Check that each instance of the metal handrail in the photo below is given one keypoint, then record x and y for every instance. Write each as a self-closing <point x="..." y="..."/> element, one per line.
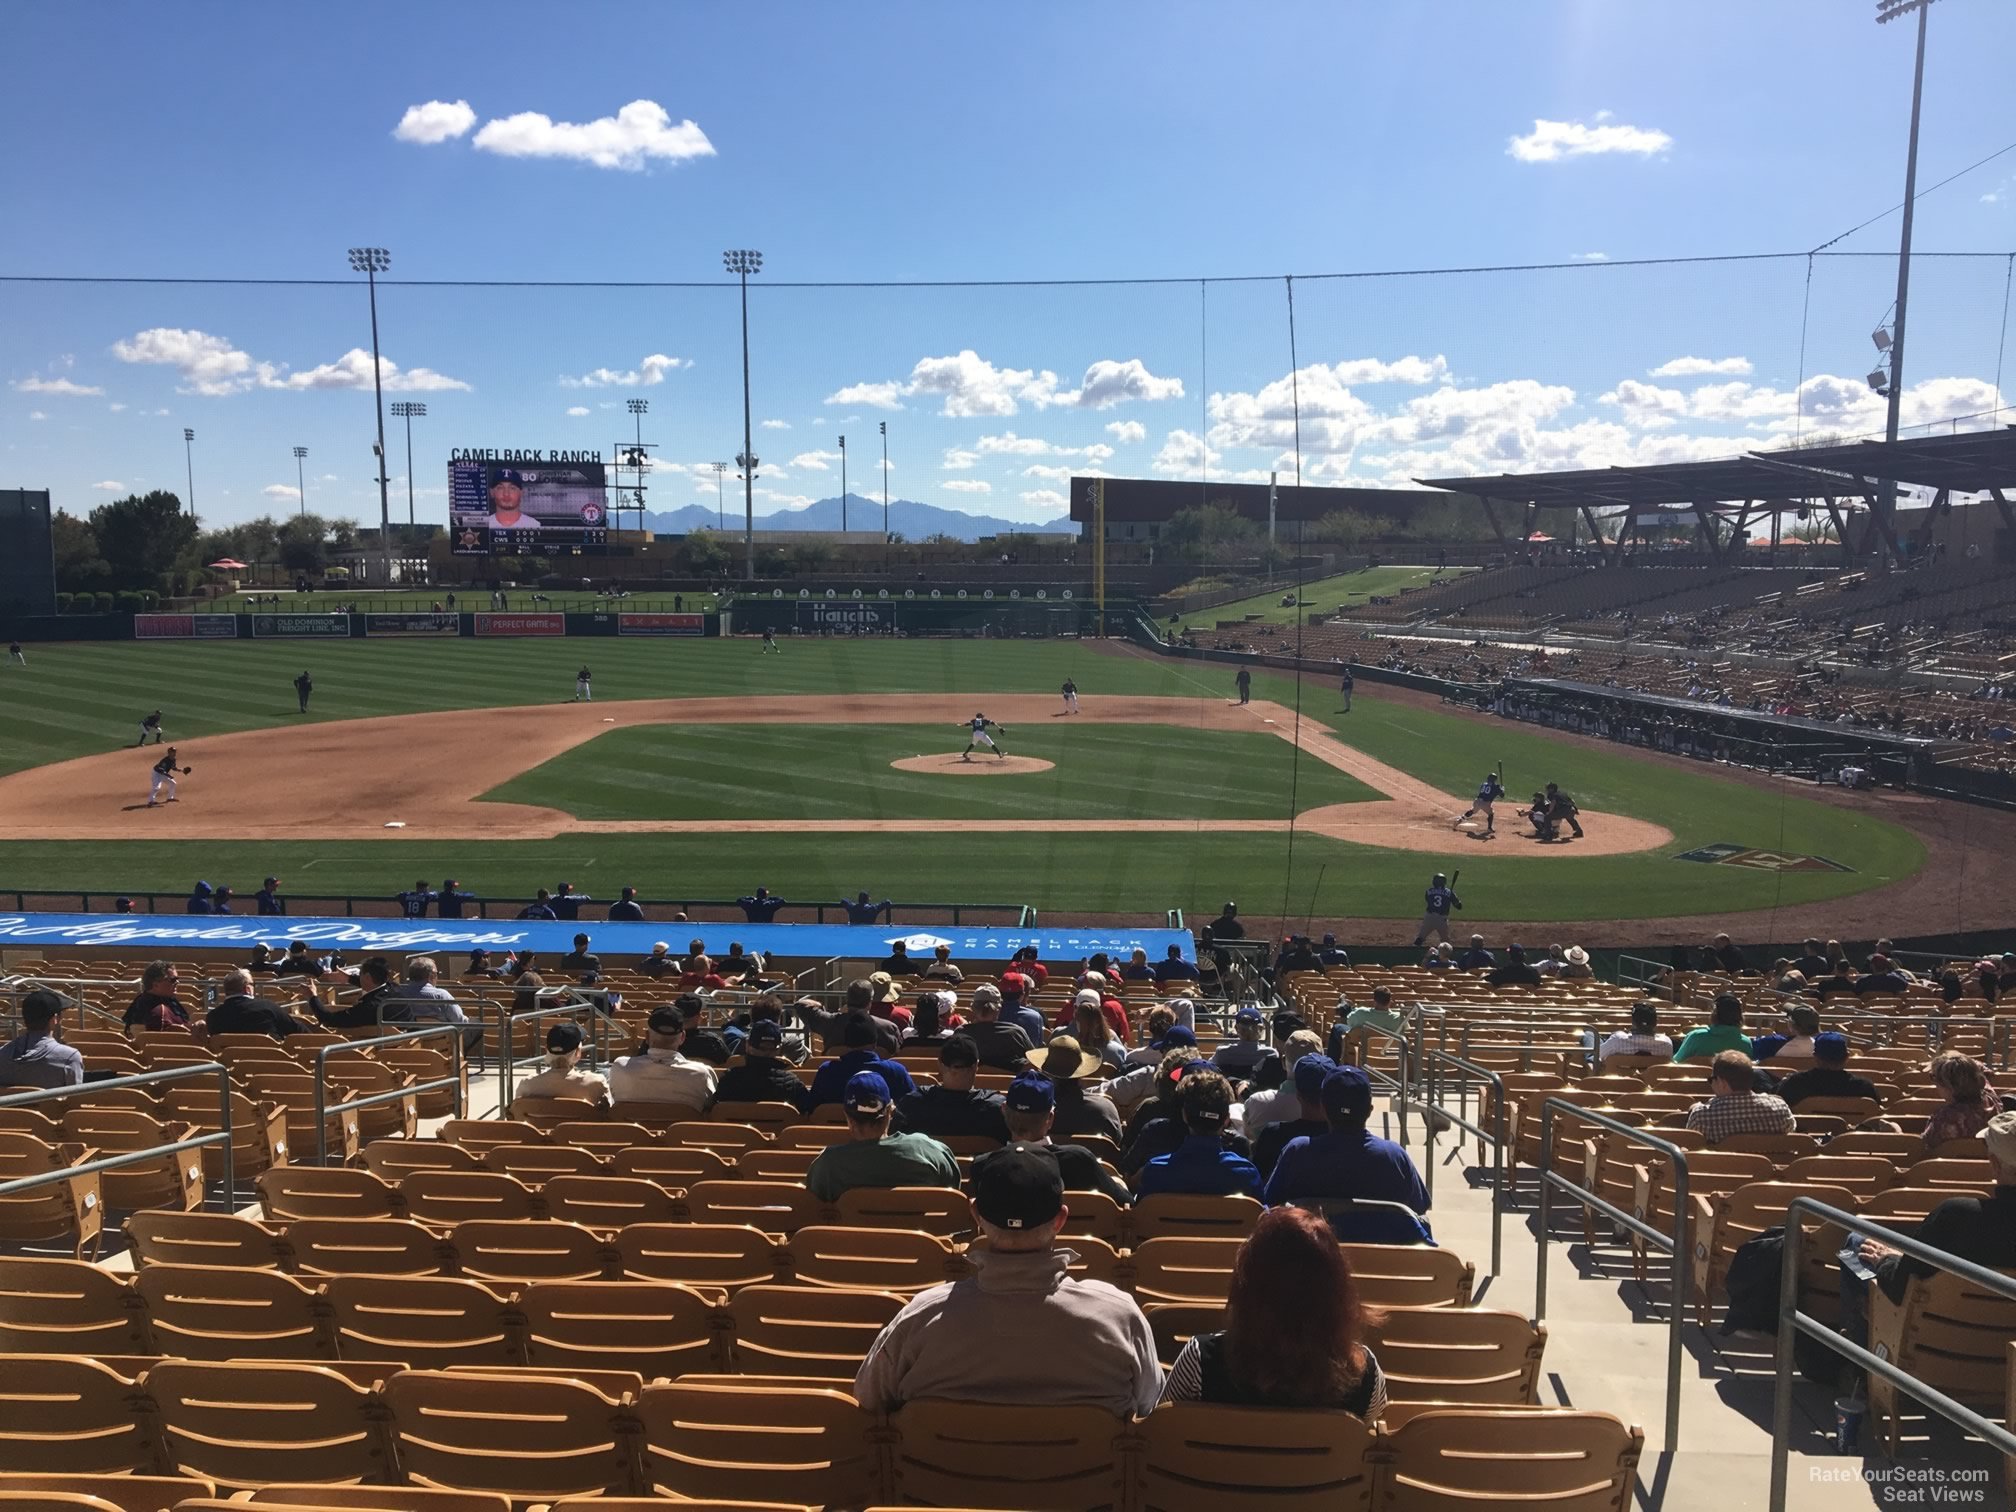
<point x="1999" y="1438"/>
<point x="453" y="1080"/>
<point x="1678" y="1245"/>
<point x="1434" y="1115"/>
<point x="507" y="1054"/>
<point x="222" y="1136"/>
<point x="1402" y="1084"/>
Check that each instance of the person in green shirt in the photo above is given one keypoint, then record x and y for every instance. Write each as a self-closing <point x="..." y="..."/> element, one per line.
<point x="873" y="1157"/>
<point x="1724" y="1031"/>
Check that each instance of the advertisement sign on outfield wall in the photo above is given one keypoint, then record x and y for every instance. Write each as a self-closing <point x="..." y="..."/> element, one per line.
<point x="412" y="624"/>
<point x="521" y="624"/>
<point x="661" y="624"/>
<point x="185" y="626"/>
<point x="330" y="626"/>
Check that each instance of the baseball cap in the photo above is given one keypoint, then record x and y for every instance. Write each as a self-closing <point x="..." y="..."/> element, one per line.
<point x="41" y="1006"/>
<point x="1830" y="1047"/>
<point x="1347" y="1090"/>
<point x="1249" y="1015"/>
<point x="2000" y="1137"/>
<point x="865" y="1093"/>
<point x="564" y="1038"/>
<point x="1088" y="997"/>
<point x="1644" y="1016"/>
<point x="270" y="881"/>
<point x="1030" y="1094"/>
<point x="1177" y="1038"/>
<point x="507" y="475"/>
<point x="1310" y="1073"/>
<point x="667" y="1021"/>
<point x="1019" y="1187"/>
<point x="766" y="1037"/>
<point x="1014" y="983"/>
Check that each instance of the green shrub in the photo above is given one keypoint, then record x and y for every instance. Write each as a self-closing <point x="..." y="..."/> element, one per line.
<point x="64" y="601"/>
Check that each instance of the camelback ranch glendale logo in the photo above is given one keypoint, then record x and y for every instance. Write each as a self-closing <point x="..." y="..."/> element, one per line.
<point x="1760" y="860"/>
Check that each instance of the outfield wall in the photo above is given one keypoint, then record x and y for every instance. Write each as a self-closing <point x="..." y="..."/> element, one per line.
<point x="367" y="625"/>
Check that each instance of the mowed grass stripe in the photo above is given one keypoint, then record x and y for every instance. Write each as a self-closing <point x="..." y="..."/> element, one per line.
<point x="1101" y="772"/>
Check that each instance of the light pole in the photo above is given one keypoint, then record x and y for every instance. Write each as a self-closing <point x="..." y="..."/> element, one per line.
<point x="371" y="261"/>
<point x="885" y="481"/>
<point x="301" y="476"/>
<point x="720" y="493"/>
<point x="406" y="409"/>
<point x="638" y="409"/>
<point x="1887" y="11"/>
<point x="742" y="262"/>
<point x="843" y="485"/>
<point x="189" y="460"/>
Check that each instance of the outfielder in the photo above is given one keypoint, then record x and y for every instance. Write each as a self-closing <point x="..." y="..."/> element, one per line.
<point x="1070" y="691"/>
<point x="151" y="725"/>
<point x="1488" y="793"/>
<point x="582" y="692"/>
<point x="770" y="643"/>
<point x="164" y="779"/>
<point x="1440" y="898"/>
<point x="14" y="651"/>
<point x="979" y="738"/>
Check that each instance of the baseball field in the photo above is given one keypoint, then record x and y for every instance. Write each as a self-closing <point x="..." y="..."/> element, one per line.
<point x="703" y="768"/>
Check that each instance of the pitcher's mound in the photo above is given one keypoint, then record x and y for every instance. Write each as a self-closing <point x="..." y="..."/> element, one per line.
<point x="980" y="766"/>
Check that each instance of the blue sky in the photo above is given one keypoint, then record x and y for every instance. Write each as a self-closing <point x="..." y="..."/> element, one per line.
<point x="893" y="142"/>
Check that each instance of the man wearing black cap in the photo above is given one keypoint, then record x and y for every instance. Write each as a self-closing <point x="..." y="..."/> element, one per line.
<point x="873" y="1157"/>
<point x="661" y="1074"/>
<point x="1515" y="972"/>
<point x="626" y="909"/>
<point x="1031" y="1108"/>
<point x="1305" y="1119"/>
<point x="1020" y="1331"/>
<point x="1244" y="1056"/>
<point x="268" y="898"/>
<point x="764" y="1075"/>
<point x="1201" y="1165"/>
<point x="1828" y="1076"/>
<point x="955" y="1106"/>
<point x="563" y="1076"/>
<point x="1348" y="1161"/>
<point x="38" y="1057"/>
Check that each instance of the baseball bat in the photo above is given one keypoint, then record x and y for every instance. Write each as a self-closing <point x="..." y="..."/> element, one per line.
<point x="1455" y="877"/>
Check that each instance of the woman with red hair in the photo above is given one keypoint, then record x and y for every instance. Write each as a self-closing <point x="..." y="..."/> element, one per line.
<point x="1294" y="1328"/>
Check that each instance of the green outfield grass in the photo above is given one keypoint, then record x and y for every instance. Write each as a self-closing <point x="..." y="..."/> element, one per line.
<point x="1323" y="593"/>
<point x="76" y="699"/>
<point x="843" y="772"/>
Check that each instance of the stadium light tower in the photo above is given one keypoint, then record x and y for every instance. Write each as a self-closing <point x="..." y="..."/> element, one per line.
<point x="638" y="409"/>
<point x="406" y="409"/>
<point x="843" y="485"/>
<point x="301" y="476"/>
<point x="742" y="262"/>
<point x="371" y="261"/>
<point x="720" y="493"/>
<point x="189" y="460"/>
<point x="885" y="481"/>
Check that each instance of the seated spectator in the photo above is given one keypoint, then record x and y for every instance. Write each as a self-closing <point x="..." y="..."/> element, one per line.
<point x="897" y="962"/>
<point x="1440" y="957"/>
<point x="1001" y="1047"/>
<point x="1971" y="1103"/>
<point x="1109" y="1008"/>
<point x="1882" y="979"/>
<point x="1277" y="1104"/>
<point x="1243" y="1057"/>
<point x="1736" y="1106"/>
<point x="1726" y="957"/>
<point x="1030" y="1106"/>
<point x="1294" y="1328"/>
<point x="871" y="1156"/>
<point x="479" y="967"/>
<point x="1079" y="1109"/>
<point x="1642" y="1038"/>
<point x="1159" y="1021"/>
<point x="526" y="983"/>
<point x="238" y="1012"/>
<point x="1173" y="968"/>
<point x="1297" y="954"/>
<point x="1332" y="954"/>
<point x="1575" y="965"/>
<point x="1201" y="1165"/>
<point x="1724" y="1031"/>
<point x="764" y="1075"/>
<point x="1012" y="995"/>
<point x="1794" y="1038"/>
<point x="262" y="961"/>
<point x="660" y="963"/>
<point x="580" y="961"/>
<point x="37" y="1057"/>
<point x="298" y="962"/>
<point x="1349" y="1161"/>
<point x="659" y="1073"/>
<point x="709" y="1047"/>
<point x="699" y="975"/>
<point x="626" y="909"/>
<point x="955" y="1105"/>
<point x="1515" y="972"/>
<point x="941" y="968"/>
<point x="1476" y="958"/>
<point x="1812" y="962"/>
<point x="1828" y="1076"/>
<point x="1022" y="1330"/>
<point x="202" y="900"/>
<point x="1349" y="1035"/>
<point x="1304" y="1118"/>
<point x="1090" y="1029"/>
<point x="1137" y="968"/>
<point x="1951" y="988"/>
<point x="423" y="1000"/>
<point x="156" y="1006"/>
<point x="1839" y="983"/>
<point x="563" y="1076"/>
<point x="932" y="1021"/>
<point x="860" y="1052"/>
<point x="372" y="1007"/>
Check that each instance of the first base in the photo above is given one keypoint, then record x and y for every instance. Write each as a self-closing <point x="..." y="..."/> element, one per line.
<point x="395" y="824"/>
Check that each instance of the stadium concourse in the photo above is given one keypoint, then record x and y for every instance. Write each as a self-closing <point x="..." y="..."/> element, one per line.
<point x="445" y="1284"/>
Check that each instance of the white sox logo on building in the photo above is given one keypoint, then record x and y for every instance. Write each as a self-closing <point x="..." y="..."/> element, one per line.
<point x="849" y="614"/>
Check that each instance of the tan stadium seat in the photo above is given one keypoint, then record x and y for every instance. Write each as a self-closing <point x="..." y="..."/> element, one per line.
<point x="670" y="1165"/>
<point x="654" y="1328"/>
<point x="807" y="1331"/>
<point x="425" y="1063"/>
<point x="1457" y="1461"/>
<point x="392" y="1159"/>
<point x="445" y="1198"/>
<point x="71" y="1415"/>
<point x="657" y="1116"/>
<point x="534" y="1165"/>
<point x="723" y="1255"/>
<point x="1901" y="1207"/>
<point x="1855" y="1109"/>
<point x="777" y="1207"/>
<point x="174" y="1181"/>
<point x="600" y="1135"/>
<point x="1184" y="1270"/>
<point x="1864" y="1175"/>
<point x="729" y="1140"/>
<point x="813" y="1136"/>
<point x="294" y="1090"/>
<point x="1959" y="1173"/>
<point x="128" y="1493"/>
<point x="366" y="1499"/>
<point x="770" y="1118"/>
<point x="214" y="1314"/>
<point x="242" y="1424"/>
<point x="1199" y="1457"/>
<point x="1710" y="1173"/>
<point x="258" y="1129"/>
<point x="165" y="1238"/>
<point x="479" y="1134"/>
<point x="293" y="1191"/>
<point x="712" y="1439"/>
<point x="777" y="1163"/>
<point x="658" y="1504"/>
<point x="1448" y="1354"/>
<point x="547" y="1112"/>
<point x="1781" y="1148"/>
<point x="1094" y="1215"/>
<point x="944" y="1211"/>
<point x="611" y="1202"/>
<point x="431" y="1322"/>
<point x="529" y="1437"/>
<point x="1947" y="1332"/>
<point x="897" y="1260"/>
<point x="1181" y="1215"/>
<point x="1410" y="1275"/>
<point x="1176" y="1323"/>
<point x="69" y="1307"/>
<point x="1723" y="1224"/>
<point x="353" y="1076"/>
<point x="1060" y="1458"/>
<point x="1899" y="1148"/>
<point x="367" y="1247"/>
<point x="506" y="1251"/>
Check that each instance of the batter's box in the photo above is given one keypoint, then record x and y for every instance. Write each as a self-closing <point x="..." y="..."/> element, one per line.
<point x="1760" y="860"/>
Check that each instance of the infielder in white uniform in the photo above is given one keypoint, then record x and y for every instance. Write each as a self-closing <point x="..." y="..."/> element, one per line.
<point x="164" y="780"/>
<point x="583" y="693"/>
<point x="979" y="738"/>
<point x="1070" y="696"/>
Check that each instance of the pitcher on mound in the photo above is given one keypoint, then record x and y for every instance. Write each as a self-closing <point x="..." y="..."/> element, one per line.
<point x="978" y="738"/>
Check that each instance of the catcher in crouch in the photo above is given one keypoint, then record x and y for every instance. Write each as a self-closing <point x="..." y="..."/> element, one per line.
<point x="165" y="773"/>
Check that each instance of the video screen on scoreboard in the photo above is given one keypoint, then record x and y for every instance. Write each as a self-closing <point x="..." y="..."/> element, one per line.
<point x="504" y="505"/>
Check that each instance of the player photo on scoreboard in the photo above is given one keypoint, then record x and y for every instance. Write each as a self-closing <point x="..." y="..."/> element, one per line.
<point x="499" y="506"/>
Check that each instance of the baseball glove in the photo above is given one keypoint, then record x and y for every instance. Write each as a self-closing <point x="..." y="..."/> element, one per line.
<point x="187" y="770"/>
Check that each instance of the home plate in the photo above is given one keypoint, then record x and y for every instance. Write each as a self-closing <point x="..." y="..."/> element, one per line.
<point x="395" y="824"/>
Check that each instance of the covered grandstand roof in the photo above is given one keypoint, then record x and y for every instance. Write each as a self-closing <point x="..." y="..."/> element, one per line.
<point x="1660" y="486"/>
<point x="1969" y="462"/>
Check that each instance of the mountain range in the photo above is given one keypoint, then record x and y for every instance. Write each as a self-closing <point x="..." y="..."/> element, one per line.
<point x="907" y="517"/>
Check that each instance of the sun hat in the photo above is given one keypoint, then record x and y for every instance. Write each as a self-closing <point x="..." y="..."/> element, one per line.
<point x="1063" y="1059"/>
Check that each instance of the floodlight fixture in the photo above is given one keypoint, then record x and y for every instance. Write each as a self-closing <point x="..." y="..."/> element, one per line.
<point x="743" y="261"/>
<point x="637" y="406"/>
<point x="1896" y="10"/>
<point x="1881" y="336"/>
<point x="1879" y="379"/>
<point x="370" y="259"/>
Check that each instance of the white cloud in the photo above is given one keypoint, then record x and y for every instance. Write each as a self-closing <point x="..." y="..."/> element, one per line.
<point x="577" y="411"/>
<point x="436" y="121"/>
<point x="1127" y="432"/>
<point x="1331" y="412"/>
<point x="888" y="396"/>
<point x="967" y="485"/>
<point x="969" y="385"/>
<point x="640" y="132"/>
<point x="285" y="491"/>
<point x="1107" y="383"/>
<point x="61" y="386"/>
<point x="1695" y="367"/>
<point x="1184" y="454"/>
<point x="110" y="486"/>
<point x="957" y="460"/>
<point x="784" y="500"/>
<point x="353" y="371"/>
<point x="1550" y="141"/>
<point x="1646" y="404"/>
<point x="162" y="411"/>
<point x="115" y="408"/>
<point x="1046" y="498"/>
<point x="1590" y="257"/>
<point x="816" y="461"/>
<point x="776" y="425"/>
<point x="1010" y="444"/>
<point x="650" y="371"/>
<point x="328" y="478"/>
<point x="1056" y="474"/>
<point x="212" y="366"/>
<point x="37" y="415"/>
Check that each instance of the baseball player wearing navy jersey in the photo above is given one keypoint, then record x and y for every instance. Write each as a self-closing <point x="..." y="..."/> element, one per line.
<point x="978" y="737"/>
<point x="770" y="643"/>
<point x="1070" y="691"/>
<point x="1488" y="793"/>
<point x="303" y="686"/>
<point x="164" y="780"/>
<point x="582" y="692"/>
<point x="151" y="725"/>
<point x="1440" y="898"/>
<point x="14" y="651"/>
